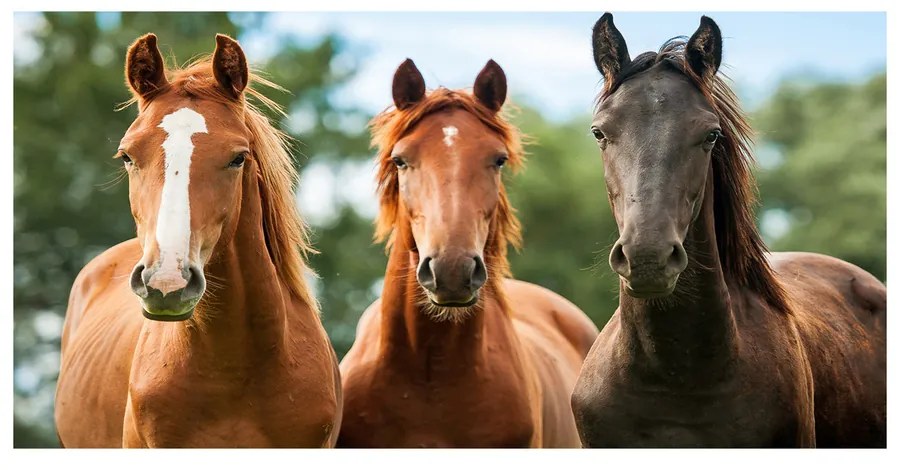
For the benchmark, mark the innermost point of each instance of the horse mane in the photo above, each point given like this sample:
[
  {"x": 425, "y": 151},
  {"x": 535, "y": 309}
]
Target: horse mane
[
  {"x": 286, "y": 234},
  {"x": 391, "y": 125},
  {"x": 742, "y": 252}
]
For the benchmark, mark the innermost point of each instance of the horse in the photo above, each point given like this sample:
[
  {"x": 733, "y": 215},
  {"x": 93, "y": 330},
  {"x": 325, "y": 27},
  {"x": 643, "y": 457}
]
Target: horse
[
  {"x": 455, "y": 353},
  {"x": 716, "y": 341},
  {"x": 200, "y": 332}
]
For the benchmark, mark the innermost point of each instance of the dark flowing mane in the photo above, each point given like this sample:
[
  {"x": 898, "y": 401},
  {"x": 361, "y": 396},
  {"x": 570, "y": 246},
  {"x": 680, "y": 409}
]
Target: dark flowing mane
[
  {"x": 286, "y": 233},
  {"x": 742, "y": 251},
  {"x": 392, "y": 124}
]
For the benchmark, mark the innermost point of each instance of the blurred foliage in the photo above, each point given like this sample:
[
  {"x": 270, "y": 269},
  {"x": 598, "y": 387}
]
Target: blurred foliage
[
  {"x": 568, "y": 228},
  {"x": 70, "y": 203},
  {"x": 828, "y": 177}
]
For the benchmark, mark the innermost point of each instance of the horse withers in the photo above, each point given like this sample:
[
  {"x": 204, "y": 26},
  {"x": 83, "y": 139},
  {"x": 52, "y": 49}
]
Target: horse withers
[
  {"x": 715, "y": 342},
  {"x": 200, "y": 332}
]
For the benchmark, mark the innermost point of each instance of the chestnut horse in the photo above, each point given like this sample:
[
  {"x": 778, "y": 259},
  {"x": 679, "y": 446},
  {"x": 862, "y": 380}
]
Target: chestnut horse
[
  {"x": 243, "y": 361},
  {"x": 715, "y": 343},
  {"x": 455, "y": 354}
]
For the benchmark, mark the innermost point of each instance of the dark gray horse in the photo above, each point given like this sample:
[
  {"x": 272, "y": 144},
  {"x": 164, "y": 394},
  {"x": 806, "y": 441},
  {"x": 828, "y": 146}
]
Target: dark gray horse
[{"x": 716, "y": 342}]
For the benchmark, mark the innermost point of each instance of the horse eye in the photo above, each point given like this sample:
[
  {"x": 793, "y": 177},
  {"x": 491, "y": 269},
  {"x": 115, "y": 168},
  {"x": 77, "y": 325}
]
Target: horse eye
[
  {"x": 598, "y": 134},
  {"x": 713, "y": 136},
  {"x": 398, "y": 162},
  {"x": 501, "y": 160},
  {"x": 125, "y": 158},
  {"x": 238, "y": 160}
]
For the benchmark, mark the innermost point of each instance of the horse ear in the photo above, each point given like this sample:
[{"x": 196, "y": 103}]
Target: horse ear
[
  {"x": 610, "y": 51},
  {"x": 490, "y": 86},
  {"x": 145, "y": 71},
  {"x": 704, "y": 50},
  {"x": 408, "y": 86},
  {"x": 230, "y": 66}
]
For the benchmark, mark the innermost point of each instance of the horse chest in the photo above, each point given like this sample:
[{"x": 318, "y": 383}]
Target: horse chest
[
  {"x": 238, "y": 412},
  {"x": 400, "y": 412},
  {"x": 441, "y": 427},
  {"x": 614, "y": 409},
  {"x": 625, "y": 418}
]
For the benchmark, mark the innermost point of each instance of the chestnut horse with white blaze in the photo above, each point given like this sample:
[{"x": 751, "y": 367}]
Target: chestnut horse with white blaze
[
  {"x": 455, "y": 354},
  {"x": 715, "y": 343},
  {"x": 201, "y": 332}
]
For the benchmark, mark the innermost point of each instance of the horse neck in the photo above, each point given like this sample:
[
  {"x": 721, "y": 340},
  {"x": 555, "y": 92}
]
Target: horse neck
[
  {"x": 691, "y": 332},
  {"x": 411, "y": 335},
  {"x": 244, "y": 315}
]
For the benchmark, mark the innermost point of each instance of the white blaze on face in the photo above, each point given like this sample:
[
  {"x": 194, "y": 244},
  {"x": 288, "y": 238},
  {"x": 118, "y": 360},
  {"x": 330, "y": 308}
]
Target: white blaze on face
[
  {"x": 173, "y": 223},
  {"x": 450, "y": 133}
]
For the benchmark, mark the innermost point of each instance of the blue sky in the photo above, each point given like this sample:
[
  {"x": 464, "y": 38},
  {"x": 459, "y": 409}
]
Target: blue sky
[{"x": 547, "y": 56}]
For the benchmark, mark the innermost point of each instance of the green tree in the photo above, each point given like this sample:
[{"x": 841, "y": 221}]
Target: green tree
[{"x": 825, "y": 178}]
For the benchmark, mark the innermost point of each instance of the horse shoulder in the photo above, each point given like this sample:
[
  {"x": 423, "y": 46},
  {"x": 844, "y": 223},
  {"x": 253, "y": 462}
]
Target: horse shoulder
[
  {"x": 371, "y": 312},
  {"x": 318, "y": 383},
  {"x": 356, "y": 367},
  {"x": 98, "y": 341},
  {"x": 557, "y": 336},
  {"x": 368, "y": 329},
  {"x": 598, "y": 381},
  {"x": 99, "y": 295},
  {"x": 95, "y": 279}
]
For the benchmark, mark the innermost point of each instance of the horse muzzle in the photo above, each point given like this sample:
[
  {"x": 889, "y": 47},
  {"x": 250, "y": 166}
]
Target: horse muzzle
[
  {"x": 650, "y": 270},
  {"x": 169, "y": 295},
  {"x": 452, "y": 281}
]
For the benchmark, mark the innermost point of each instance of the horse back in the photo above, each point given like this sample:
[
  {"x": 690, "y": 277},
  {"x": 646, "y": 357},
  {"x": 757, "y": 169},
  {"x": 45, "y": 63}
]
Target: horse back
[
  {"x": 99, "y": 335},
  {"x": 553, "y": 314},
  {"x": 840, "y": 313}
]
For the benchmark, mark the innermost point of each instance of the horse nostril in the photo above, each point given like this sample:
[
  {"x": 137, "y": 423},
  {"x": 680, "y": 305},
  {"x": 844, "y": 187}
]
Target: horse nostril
[
  {"x": 618, "y": 261},
  {"x": 425, "y": 274},
  {"x": 678, "y": 260},
  {"x": 196, "y": 284},
  {"x": 137, "y": 281},
  {"x": 479, "y": 274}
]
